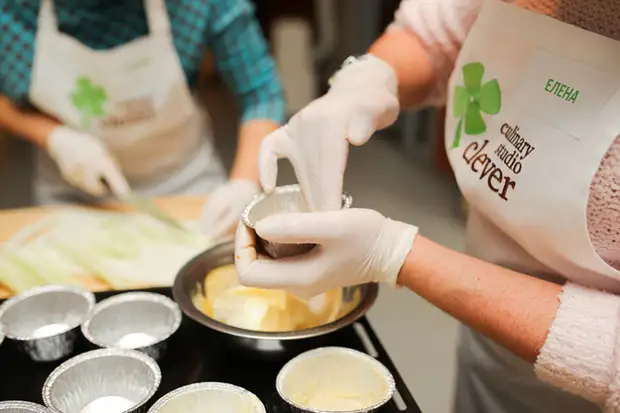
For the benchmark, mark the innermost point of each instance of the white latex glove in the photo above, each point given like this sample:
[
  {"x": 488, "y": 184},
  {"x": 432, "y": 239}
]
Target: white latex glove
[
  {"x": 355, "y": 246},
  {"x": 84, "y": 161},
  {"x": 363, "y": 98},
  {"x": 223, "y": 208}
]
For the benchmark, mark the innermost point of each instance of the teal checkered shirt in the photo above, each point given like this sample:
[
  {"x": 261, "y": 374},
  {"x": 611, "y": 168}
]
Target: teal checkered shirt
[{"x": 225, "y": 27}]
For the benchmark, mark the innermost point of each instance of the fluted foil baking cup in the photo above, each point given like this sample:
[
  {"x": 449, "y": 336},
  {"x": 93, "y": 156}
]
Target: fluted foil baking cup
[
  {"x": 44, "y": 321},
  {"x": 135, "y": 321},
  {"x": 283, "y": 200},
  {"x": 16, "y": 406},
  {"x": 103, "y": 381},
  {"x": 209, "y": 397}
]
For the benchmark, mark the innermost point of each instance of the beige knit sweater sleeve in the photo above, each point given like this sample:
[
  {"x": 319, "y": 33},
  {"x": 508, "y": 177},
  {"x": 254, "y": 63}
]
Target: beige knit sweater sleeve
[
  {"x": 582, "y": 354},
  {"x": 582, "y": 351}
]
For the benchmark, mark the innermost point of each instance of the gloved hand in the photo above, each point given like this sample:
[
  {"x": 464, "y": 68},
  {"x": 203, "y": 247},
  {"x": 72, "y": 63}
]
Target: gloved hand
[
  {"x": 363, "y": 98},
  {"x": 84, "y": 161},
  {"x": 355, "y": 246},
  {"x": 223, "y": 208}
]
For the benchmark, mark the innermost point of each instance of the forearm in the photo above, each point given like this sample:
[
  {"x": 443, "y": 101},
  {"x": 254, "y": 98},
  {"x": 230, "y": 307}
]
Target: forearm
[
  {"x": 406, "y": 54},
  {"x": 251, "y": 135},
  {"x": 423, "y": 43},
  {"x": 513, "y": 309},
  {"x": 34, "y": 127}
]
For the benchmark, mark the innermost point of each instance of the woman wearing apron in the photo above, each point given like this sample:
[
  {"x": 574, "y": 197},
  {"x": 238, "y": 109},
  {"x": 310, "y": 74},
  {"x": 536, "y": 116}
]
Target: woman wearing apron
[
  {"x": 105, "y": 90},
  {"x": 532, "y": 132}
]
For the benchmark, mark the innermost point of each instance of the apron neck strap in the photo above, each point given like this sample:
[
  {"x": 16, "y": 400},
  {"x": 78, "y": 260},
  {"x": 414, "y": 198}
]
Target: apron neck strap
[
  {"x": 47, "y": 18},
  {"x": 156, "y": 15}
]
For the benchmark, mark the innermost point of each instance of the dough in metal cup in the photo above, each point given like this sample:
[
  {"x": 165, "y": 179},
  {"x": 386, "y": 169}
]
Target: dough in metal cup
[
  {"x": 335, "y": 379},
  {"x": 209, "y": 397}
]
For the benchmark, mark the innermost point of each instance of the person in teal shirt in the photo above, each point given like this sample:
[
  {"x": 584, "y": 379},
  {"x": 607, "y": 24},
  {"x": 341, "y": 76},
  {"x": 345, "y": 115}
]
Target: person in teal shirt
[{"x": 132, "y": 67}]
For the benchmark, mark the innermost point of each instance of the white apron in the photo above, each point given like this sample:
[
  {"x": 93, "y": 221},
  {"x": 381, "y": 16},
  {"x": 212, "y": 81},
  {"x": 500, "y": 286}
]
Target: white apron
[
  {"x": 533, "y": 108},
  {"x": 134, "y": 98}
]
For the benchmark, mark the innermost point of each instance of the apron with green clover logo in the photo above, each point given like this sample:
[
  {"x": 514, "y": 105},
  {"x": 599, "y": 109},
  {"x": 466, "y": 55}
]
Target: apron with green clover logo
[
  {"x": 533, "y": 108},
  {"x": 134, "y": 98}
]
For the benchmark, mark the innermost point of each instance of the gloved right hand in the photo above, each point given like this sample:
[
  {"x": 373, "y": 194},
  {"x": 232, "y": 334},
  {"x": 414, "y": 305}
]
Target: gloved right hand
[
  {"x": 363, "y": 98},
  {"x": 84, "y": 162},
  {"x": 355, "y": 246}
]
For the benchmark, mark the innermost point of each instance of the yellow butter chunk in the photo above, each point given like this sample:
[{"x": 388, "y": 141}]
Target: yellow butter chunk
[
  {"x": 253, "y": 309},
  {"x": 220, "y": 280},
  {"x": 277, "y": 320},
  {"x": 228, "y": 302},
  {"x": 240, "y": 310},
  {"x": 275, "y": 298}
]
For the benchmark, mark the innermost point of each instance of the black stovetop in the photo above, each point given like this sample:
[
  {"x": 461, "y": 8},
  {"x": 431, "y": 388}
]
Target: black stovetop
[{"x": 197, "y": 354}]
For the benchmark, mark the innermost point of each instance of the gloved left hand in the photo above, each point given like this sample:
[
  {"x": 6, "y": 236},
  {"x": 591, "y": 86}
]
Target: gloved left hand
[
  {"x": 223, "y": 208},
  {"x": 355, "y": 246},
  {"x": 363, "y": 98}
]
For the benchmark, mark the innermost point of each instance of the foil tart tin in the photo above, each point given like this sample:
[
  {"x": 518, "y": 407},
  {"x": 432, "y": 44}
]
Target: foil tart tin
[
  {"x": 15, "y": 406},
  {"x": 283, "y": 199},
  {"x": 336, "y": 373},
  {"x": 102, "y": 381},
  {"x": 134, "y": 321},
  {"x": 44, "y": 322},
  {"x": 209, "y": 397}
]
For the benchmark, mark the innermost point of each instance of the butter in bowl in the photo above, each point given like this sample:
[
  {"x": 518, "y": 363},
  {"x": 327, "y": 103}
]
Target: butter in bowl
[
  {"x": 265, "y": 324},
  {"x": 257, "y": 309}
]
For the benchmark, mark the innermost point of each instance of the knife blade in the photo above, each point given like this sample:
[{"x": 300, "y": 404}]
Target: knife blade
[{"x": 146, "y": 206}]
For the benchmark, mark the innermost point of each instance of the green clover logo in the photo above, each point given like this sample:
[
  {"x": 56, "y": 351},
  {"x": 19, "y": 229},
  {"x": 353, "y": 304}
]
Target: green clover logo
[
  {"x": 88, "y": 99},
  {"x": 473, "y": 99}
]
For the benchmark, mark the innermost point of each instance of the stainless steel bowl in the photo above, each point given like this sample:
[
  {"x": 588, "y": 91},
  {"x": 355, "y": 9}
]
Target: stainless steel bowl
[
  {"x": 284, "y": 199},
  {"x": 21, "y": 407},
  {"x": 102, "y": 381},
  {"x": 134, "y": 321},
  {"x": 209, "y": 397},
  {"x": 44, "y": 321},
  {"x": 341, "y": 374},
  {"x": 272, "y": 345}
]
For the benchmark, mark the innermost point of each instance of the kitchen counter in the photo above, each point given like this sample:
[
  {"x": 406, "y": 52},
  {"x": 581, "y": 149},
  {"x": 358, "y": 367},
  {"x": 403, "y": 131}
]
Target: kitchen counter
[{"x": 180, "y": 207}]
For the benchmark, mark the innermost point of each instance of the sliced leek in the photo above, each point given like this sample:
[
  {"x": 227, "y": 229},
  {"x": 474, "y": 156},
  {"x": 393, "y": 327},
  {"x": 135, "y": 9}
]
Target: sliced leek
[{"x": 15, "y": 276}]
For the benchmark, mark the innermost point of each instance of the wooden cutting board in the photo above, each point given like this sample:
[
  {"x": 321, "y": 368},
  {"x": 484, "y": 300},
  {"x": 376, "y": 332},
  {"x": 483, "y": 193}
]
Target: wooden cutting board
[
  {"x": 180, "y": 207},
  {"x": 11, "y": 221}
]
